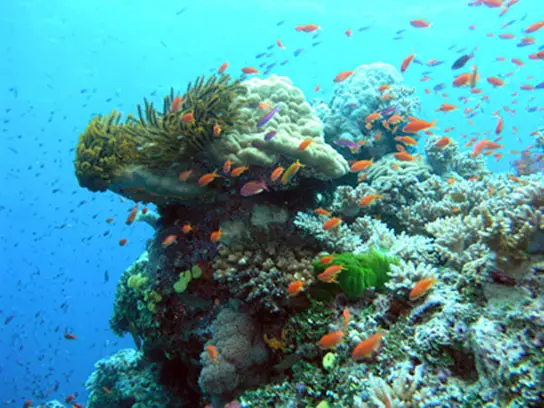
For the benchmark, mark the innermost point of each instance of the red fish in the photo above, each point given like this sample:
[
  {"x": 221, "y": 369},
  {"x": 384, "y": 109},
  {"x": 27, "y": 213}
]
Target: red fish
[
  {"x": 534, "y": 27},
  {"x": 308, "y": 28},
  {"x": 342, "y": 76},
  {"x": 406, "y": 62},
  {"x": 132, "y": 216},
  {"x": 348, "y": 32},
  {"x": 483, "y": 145},
  {"x": 280, "y": 44},
  {"x": 419, "y": 23},
  {"x": 252, "y": 188},
  {"x": 223, "y": 67},
  {"x": 123, "y": 242},
  {"x": 176, "y": 104},
  {"x": 496, "y": 82},
  {"x": 70, "y": 336},
  {"x": 250, "y": 70}
]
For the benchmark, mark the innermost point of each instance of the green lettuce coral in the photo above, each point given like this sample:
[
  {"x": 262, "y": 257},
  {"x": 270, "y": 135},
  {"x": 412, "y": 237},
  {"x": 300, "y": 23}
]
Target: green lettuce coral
[{"x": 360, "y": 272}]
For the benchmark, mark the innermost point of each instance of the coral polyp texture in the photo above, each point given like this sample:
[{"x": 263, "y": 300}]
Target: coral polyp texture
[{"x": 363, "y": 278}]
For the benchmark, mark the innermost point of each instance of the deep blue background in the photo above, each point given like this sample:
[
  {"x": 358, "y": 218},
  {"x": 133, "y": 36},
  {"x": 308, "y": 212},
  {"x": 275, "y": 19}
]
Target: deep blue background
[{"x": 63, "y": 61}]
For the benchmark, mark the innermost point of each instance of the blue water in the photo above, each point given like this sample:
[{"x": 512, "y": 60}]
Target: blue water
[{"x": 63, "y": 62}]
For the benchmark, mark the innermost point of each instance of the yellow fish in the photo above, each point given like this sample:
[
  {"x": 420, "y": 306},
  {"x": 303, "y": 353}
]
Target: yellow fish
[{"x": 291, "y": 171}]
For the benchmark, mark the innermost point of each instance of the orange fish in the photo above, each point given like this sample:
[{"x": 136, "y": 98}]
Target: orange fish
[
  {"x": 106, "y": 390},
  {"x": 383, "y": 87},
  {"x": 208, "y": 178},
  {"x": 331, "y": 340},
  {"x": 417, "y": 126},
  {"x": 484, "y": 145},
  {"x": 346, "y": 317},
  {"x": 132, "y": 216},
  {"x": 373, "y": 116},
  {"x": 169, "y": 240},
  {"x": 322, "y": 211},
  {"x": 305, "y": 144},
  {"x": 492, "y": 3},
  {"x": 110, "y": 220},
  {"x": 332, "y": 223},
  {"x": 184, "y": 175},
  {"x": 295, "y": 287},
  {"x": 496, "y": 82},
  {"x": 369, "y": 199},
  {"x": 238, "y": 171},
  {"x": 329, "y": 275},
  {"x": 212, "y": 353},
  {"x": 27, "y": 403},
  {"x": 534, "y": 27},
  {"x": 400, "y": 148},
  {"x": 188, "y": 117},
  {"x": 176, "y": 104},
  {"x": 451, "y": 180},
  {"x": 187, "y": 228},
  {"x": 280, "y": 44},
  {"x": 517, "y": 61},
  {"x": 462, "y": 80},
  {"x": 506, "y": 36},
  {"x": 366, "y": 348},
  {"x": 407, "y": 140},
  {"x": 264, "y": 106},
  {"x": 404, "y": 156},
  {"x": 500, "y": 125},
  {"x": 527, "y": 87},
  {"x": 474, "y": 77},
  {"x": 317, "y": 88},
  {"x": 308, "y": 28},
  {"x": 348, "y": 32},
  {"x": 276, "y": 174},
  {"x": 217, "y": 130},
  {"x": 250, "y": 70},
  {"x": 226, "y": 166},
  {"x": 342, "y": 76},
  {"x": 327, "y": 259},
  {"x": 223, "y": 67},
  {"x": 419, "y": 23},
  {"x": 442, "y": 142},
  {"x": 406, "y": 62},
  {"x": 378, "y": 136},
  {"x": 361, "y": 165},
  {"x": 123, "y": 242},
  {"x": 446, "y": 107},
  {"x": 216, "y": 235},
  {"x": 70, "y": 336},
  {"x": 420, "y": 288}
]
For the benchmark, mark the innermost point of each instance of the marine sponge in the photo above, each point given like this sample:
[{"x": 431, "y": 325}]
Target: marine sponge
[
  {"x": 362, "y": 271},
  {"x": 241, "y": 356},
  {"x": 104, "y": 149},
  {"x": 294, "y": 122}
]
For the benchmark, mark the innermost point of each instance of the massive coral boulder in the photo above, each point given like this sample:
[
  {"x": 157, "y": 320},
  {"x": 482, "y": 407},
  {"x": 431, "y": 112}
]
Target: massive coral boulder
[
  {"x": 358, "y": 96},
  {"x": 294, "y": 122}
]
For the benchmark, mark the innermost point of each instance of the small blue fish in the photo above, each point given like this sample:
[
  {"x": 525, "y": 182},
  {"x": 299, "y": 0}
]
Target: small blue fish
[
  {"x": 270, "y": 66},
  {"x": 363, "y": 28},
  {"x": 284, "y": 62},
  {"x": 400, "y": 32},
  {"x": 315, "y": 44},
  {"x": 270, "y": 135},
  {"x": 271, "y": 46},
  {"x": 532, "y": 109},
  {"x": 266, "y": 118},
  {"x": 298, "y": 52},
  {"x": 398, "y": 38},
  {"x": 260, "y": 55},
  {"x": 279, "y": 23},
  {"x": 540, "y": 86},
  {"x": 439, "y": 87}
]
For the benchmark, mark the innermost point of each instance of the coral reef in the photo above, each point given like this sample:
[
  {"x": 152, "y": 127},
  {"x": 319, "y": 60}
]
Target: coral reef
[
  {"x": 434, "y": 296},
  {"x": 128, "y": 379}
]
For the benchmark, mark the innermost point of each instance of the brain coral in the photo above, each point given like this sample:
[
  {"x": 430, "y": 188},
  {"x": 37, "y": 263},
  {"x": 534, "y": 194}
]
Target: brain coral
[{"x": 294, "y": 122}]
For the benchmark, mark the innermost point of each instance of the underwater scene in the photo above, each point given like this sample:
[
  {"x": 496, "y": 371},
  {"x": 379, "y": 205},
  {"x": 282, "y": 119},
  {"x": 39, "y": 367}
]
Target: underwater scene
[{"x": 274, "y": 203}]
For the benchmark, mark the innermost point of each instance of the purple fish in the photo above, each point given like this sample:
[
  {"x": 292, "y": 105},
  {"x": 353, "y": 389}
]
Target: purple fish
[
  {"x": 352, "y": 146},
  {"x": 270, "y": 135},
  {"x": 252, "y": 188},
  {"x": 388, "y": 111},
  {"x": 266, "y": 118}
]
